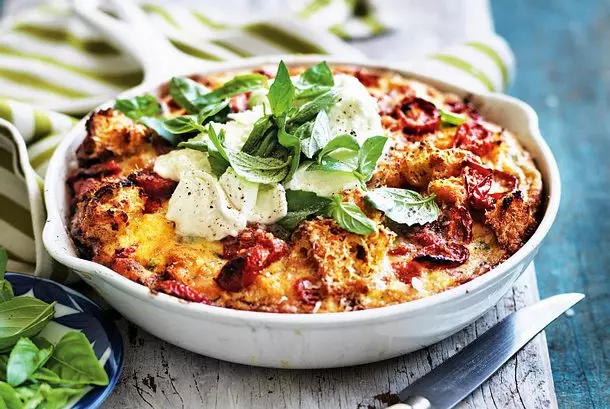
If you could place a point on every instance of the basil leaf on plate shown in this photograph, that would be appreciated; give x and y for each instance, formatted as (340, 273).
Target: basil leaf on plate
(330, 164)
(257, 137)
(3, 362)
(238, 85)
(24, 360)
(320, 135)
(74, 361)
(369, 155)
(182, 124)
(256, 169)
(301, 205)
(46, 375)
(314, 81)
(54, 398)
(350, 217)
(450, 118)
(281, 92)
(187, 92)
(310, 109)
(22, 317)
(158, 125)
(8, 397)
(404, 206)
(291, 142)
(138, 107)
(216, 112)
(346, 142)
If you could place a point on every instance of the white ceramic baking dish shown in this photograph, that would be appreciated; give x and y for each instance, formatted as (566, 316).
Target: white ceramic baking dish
(304, 340)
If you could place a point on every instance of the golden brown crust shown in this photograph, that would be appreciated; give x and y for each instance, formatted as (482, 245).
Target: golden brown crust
(119, 208)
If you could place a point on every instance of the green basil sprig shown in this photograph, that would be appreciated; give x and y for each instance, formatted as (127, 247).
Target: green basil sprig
(25, 359)
(22, 317)
(302, 204)
(138, 107)
(404, 206)
(350, 217)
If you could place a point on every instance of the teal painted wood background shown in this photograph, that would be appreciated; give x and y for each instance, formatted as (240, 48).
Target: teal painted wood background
(563, 71)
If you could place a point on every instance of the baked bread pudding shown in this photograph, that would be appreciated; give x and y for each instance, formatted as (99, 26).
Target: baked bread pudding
(300, 190)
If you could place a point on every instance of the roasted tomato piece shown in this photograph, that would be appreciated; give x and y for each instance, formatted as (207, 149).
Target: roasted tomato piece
(309, 292)
(417, 115)
(448, 254)
(475, 138)
(251, 251)
(457, 224)
(406, 270)
(181, 290)
(154, 185)
(367, 79)
(479, 181)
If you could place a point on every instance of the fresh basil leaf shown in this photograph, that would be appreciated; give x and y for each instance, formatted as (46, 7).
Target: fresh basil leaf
(24, 360)
(291, 142)
(282, 91)
(218, 141)
(450, 118)
(74, 361)
(404, 206)
(257, 136)
(237, 85)
(301, 205)
(347, 142)
(309, 110)
(138, 107)
(157, 125)
(214, 112)
(256, 169)
(183, 124)
(6, 291)
(320, 136)
(46, 375)
(22, 317)
(3, 262)
(319, 74)
(369, 155)
(8, 397)
(350, 217)
(187, 92)
(330, 164)
(58, 397)
(314, 81)
(3, 362)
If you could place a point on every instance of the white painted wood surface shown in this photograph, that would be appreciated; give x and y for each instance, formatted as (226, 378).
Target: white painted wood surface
(158, 375)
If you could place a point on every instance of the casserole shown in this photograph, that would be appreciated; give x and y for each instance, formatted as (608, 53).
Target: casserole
(300, 340)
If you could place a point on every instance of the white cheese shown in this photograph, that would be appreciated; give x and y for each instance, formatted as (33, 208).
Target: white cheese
(356, 111)
(241, 193)
(200, 207)
(271, 205)
(322, 183)
(175, 163)
(239, 126)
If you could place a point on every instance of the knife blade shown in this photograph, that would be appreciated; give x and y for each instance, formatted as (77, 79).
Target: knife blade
(453, 380)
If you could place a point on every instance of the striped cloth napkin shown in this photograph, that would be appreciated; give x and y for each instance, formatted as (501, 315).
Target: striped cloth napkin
(50, 62)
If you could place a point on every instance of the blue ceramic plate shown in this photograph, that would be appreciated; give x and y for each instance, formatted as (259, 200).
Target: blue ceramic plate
(74, 311)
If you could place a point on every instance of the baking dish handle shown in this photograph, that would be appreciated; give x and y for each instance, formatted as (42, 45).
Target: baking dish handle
(135, 35)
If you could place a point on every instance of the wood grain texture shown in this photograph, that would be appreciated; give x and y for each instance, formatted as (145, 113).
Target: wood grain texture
(564, 73)
(159, 375)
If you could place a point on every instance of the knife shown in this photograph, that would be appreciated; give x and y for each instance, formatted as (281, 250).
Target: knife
(456, 378)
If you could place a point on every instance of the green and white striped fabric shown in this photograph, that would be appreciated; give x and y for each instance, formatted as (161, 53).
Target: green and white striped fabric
(49, 59)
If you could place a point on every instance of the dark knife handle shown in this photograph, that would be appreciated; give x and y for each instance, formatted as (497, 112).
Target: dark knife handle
(413, 402)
